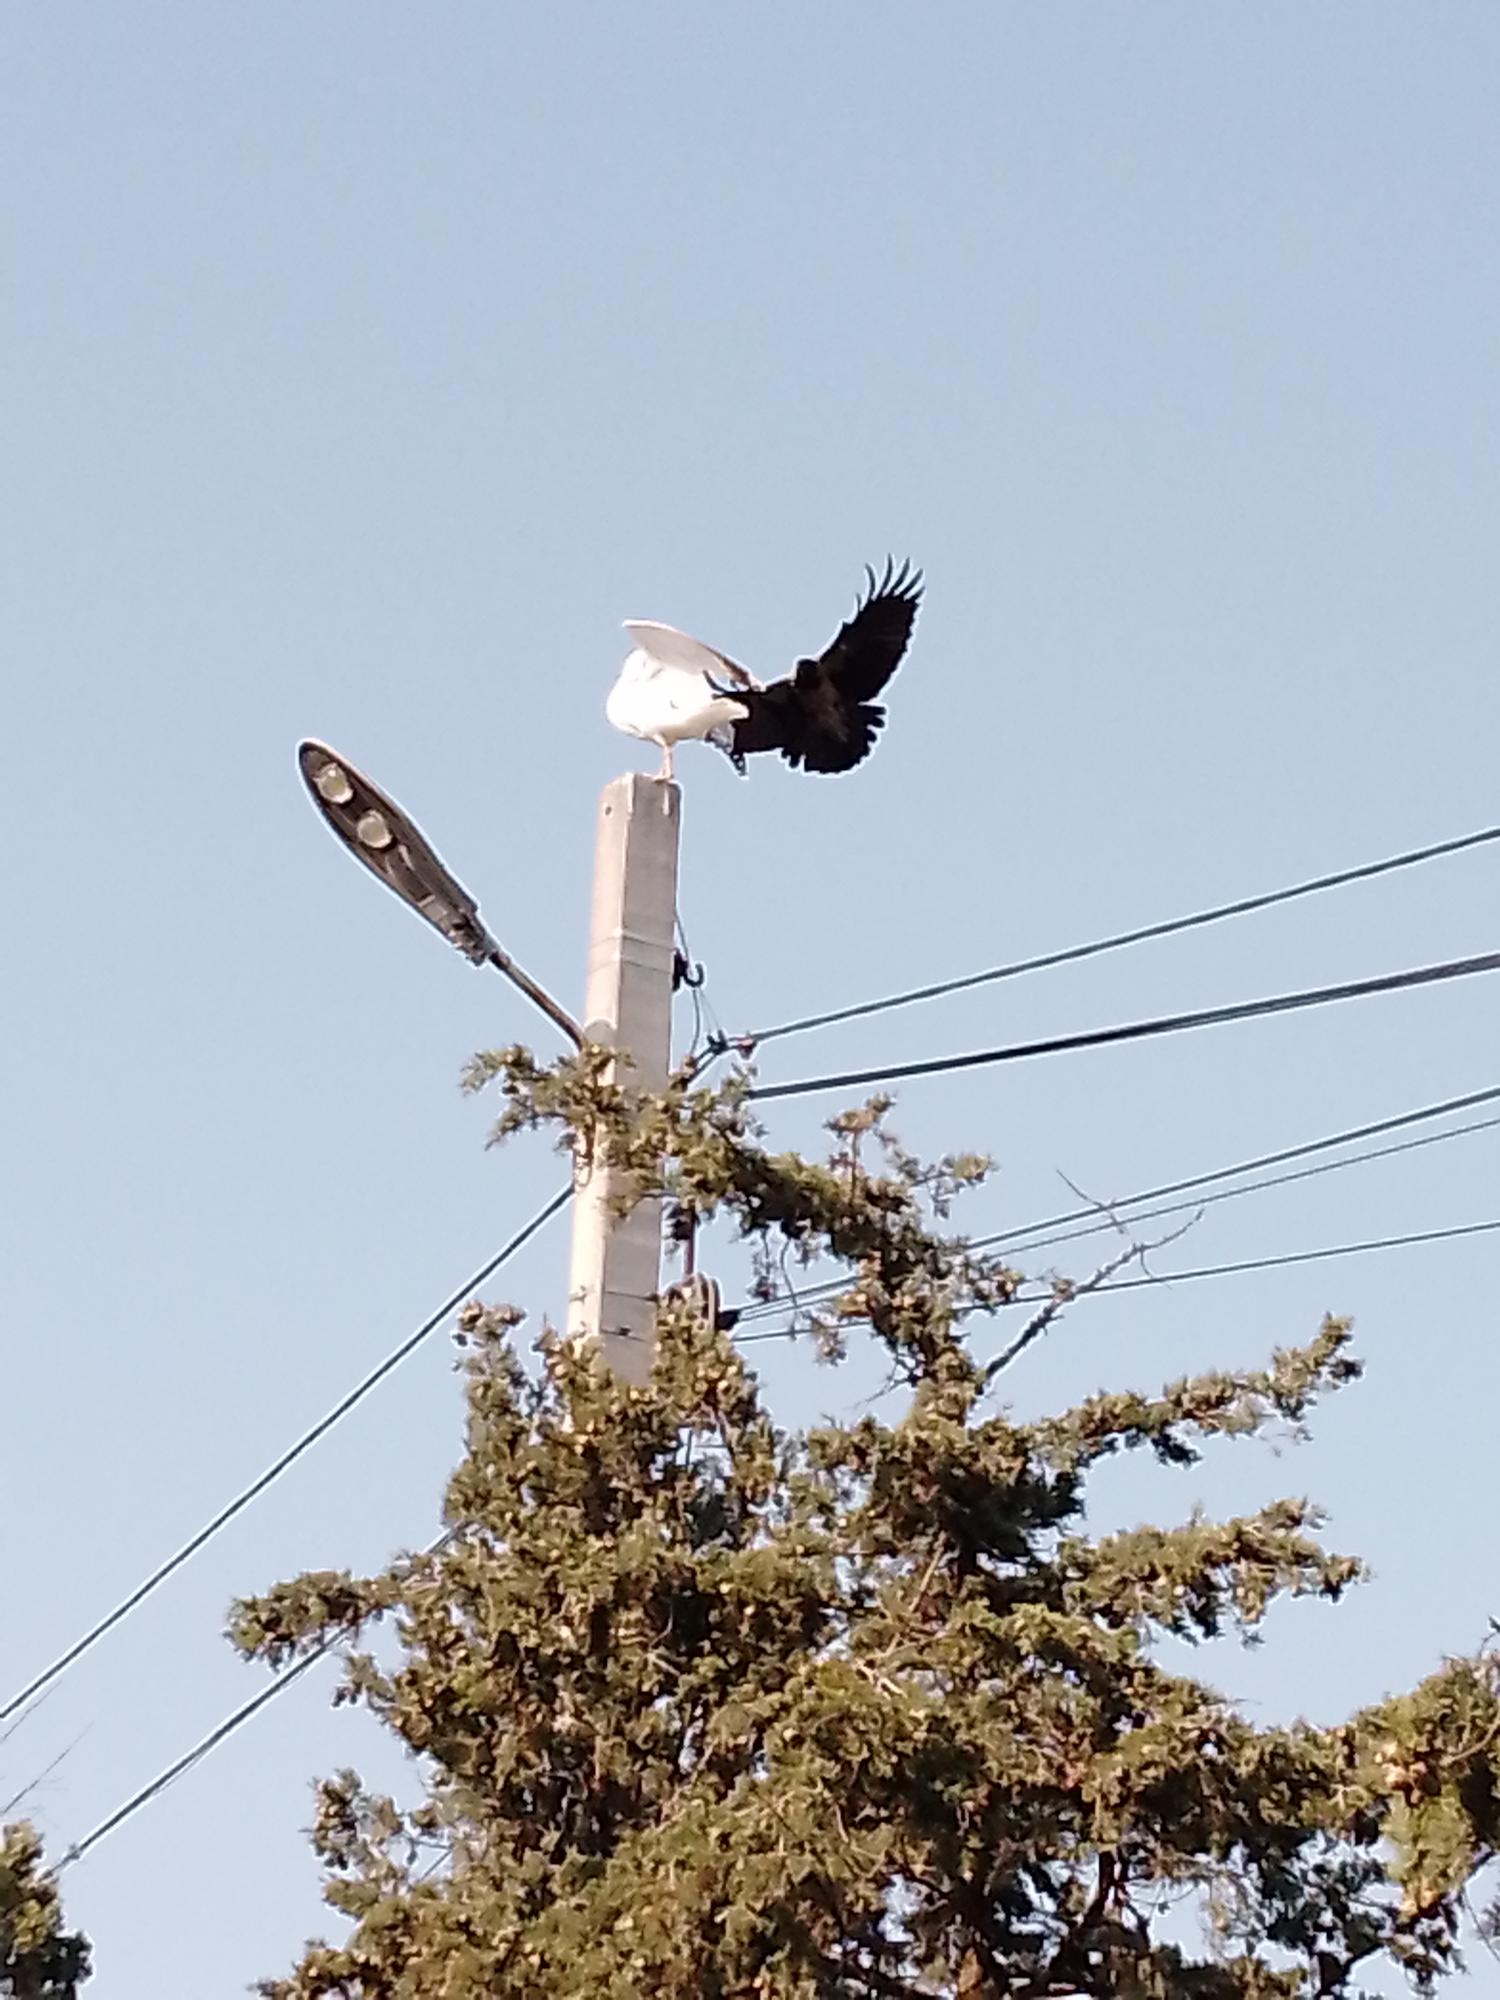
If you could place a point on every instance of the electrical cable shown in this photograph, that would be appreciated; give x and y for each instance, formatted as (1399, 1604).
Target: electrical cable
(1348, 1137)
(274, 1471)
(1201, 1202)
(244, 1713)
(1204, 1271)
(709, 1043)
(1020, 1234)
(216, 1736)
(1135, 1031)
(686, 972)
(199, 1751)
(1300, 1257)
(1243, 907)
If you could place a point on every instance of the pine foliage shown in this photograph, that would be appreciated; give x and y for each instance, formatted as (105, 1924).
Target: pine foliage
(704, 1709)
(39, 1960)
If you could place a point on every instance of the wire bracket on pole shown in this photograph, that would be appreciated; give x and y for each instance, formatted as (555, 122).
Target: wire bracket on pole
(701, 1295)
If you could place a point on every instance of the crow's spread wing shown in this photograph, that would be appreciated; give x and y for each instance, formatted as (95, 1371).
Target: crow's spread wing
(868, 649)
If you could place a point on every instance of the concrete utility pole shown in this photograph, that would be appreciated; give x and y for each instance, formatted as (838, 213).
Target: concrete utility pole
(616, 1262)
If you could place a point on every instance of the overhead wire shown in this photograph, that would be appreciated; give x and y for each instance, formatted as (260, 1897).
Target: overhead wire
(686, 972)
(1276, 1263)
(717, 1043)
(1124, 1208)
(705, 1048)
(232, 1722)
(1351, 1135)
(1243, 906)
(1194, 1204)
(200, 1750)
(248, 1709)
(1447, 1235)
(244, 1713)
(1113, 1284)
(1135, 1031)
(288, 1458)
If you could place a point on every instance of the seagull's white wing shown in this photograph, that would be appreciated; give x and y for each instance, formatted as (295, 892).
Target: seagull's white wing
(668, 647)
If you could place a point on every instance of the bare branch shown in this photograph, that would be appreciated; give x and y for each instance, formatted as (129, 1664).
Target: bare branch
(46, 1772)
(26, 1714)
(1065, 1292)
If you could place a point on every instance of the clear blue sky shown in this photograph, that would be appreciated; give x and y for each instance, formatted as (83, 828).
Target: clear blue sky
(364, 366)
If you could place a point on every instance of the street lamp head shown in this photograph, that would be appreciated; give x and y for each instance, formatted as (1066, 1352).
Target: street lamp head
(378, 833)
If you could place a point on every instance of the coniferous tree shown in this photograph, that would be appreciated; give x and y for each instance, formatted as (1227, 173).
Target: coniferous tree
(39, 1960)
(706, 1709)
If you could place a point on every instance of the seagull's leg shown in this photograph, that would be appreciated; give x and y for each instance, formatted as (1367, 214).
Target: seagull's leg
(665, 773)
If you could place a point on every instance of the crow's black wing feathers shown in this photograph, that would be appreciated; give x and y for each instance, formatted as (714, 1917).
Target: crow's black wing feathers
(868, 648)
(771, 717)
(821, 717)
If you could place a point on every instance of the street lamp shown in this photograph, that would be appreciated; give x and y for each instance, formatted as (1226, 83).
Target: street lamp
(375, 830)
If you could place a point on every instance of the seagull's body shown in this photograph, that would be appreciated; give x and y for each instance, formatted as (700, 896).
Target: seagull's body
(665, 693)
(822, 717)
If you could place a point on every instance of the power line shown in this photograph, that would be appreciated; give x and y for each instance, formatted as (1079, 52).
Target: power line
(289, 1457)
(199, 1751)
(1023, 1340)
(1257, 1187)
(285, 1679)
(1129, 1207)
(708, 1041)
(247, 1710)
(1348, 1137)
(1210, 1270)
(687, 972)
(1135, 1031)
(216, 1736)
(1243, 907)
(1302, 1256)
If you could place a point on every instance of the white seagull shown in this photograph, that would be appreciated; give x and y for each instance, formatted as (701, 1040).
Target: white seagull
(823, 716)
